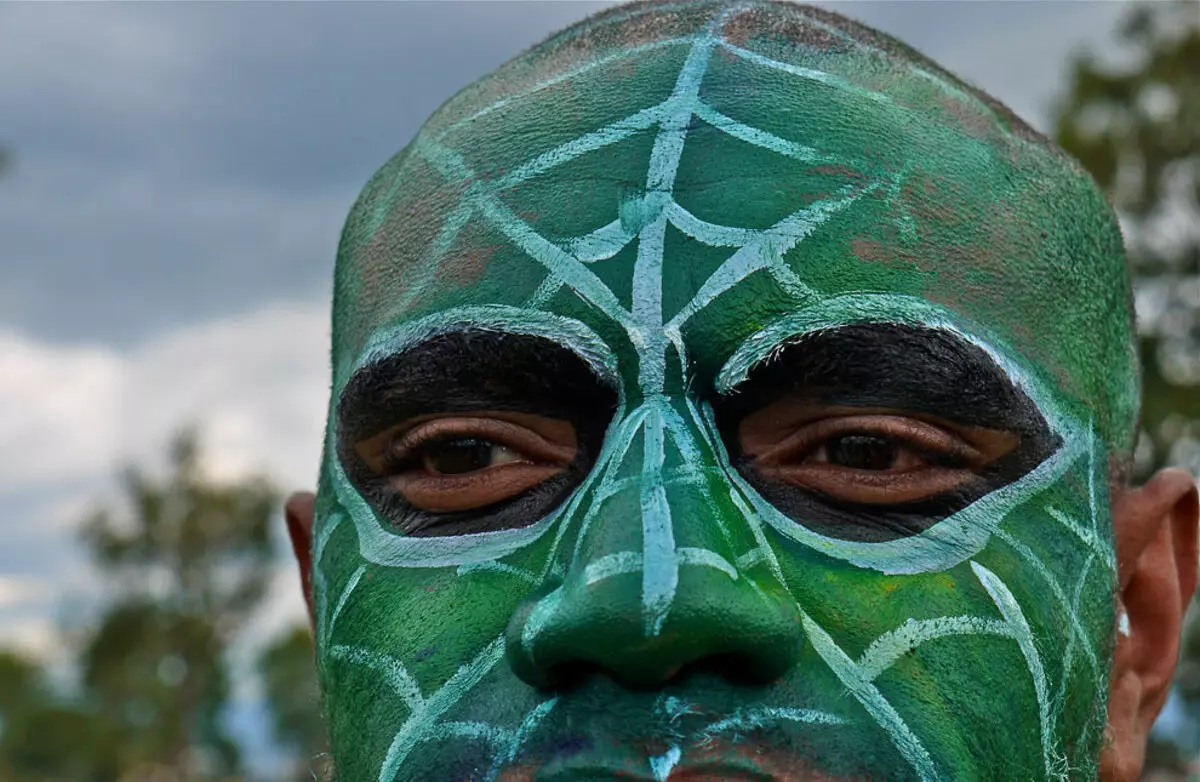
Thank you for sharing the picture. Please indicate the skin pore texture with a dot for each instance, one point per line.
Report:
(722, 390)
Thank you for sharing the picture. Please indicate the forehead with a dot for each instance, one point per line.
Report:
(714, 170)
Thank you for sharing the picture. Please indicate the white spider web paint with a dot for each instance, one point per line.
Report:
(567, 264)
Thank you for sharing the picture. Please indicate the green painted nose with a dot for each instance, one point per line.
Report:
(719, 620)
(650, 587)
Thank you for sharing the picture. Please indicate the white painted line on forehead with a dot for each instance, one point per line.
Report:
(567, 332)
(884, 308)
(622, 54)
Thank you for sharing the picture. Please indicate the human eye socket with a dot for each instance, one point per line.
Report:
(876, 459)
(463, 463)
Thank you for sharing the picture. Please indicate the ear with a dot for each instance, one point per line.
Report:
(1156, 531)
(298, 510)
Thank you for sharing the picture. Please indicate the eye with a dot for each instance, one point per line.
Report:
(464, 455)
(877, 459)
(861, 452)
(464, 463)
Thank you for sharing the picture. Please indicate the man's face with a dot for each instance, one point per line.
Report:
(710, 405)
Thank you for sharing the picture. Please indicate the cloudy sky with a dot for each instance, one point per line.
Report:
(168, 231)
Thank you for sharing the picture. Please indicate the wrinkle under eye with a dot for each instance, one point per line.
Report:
(869, 460)
(462, 463)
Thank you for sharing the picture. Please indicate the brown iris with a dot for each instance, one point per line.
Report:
(867, 456)
(448, 463)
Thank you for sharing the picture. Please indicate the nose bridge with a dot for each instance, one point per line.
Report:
(660, 516)
(652, 581)
(664, 506)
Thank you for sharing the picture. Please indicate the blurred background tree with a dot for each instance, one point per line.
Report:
(33, 721)
(289, 679)
(189, 562)
(1136, 128)
(192, 562)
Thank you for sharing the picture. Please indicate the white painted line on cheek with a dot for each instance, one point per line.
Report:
(848, 672)
(1010, 609)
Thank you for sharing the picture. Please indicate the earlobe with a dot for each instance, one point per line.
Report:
(298, 510)
(1156, 532)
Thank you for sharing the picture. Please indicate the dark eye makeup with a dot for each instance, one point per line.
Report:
(472, 431)
(874, 432)
(866, 432)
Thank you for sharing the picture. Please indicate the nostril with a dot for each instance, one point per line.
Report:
(736, 668)
(564, 634)
(567, 676)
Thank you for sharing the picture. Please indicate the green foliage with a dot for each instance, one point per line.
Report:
(194, 548)
(160, 676)
(1137, 130)
(52, 742)
(32, 727)
(193, 560)
(289, 675)
(189, 562)
(20, 683)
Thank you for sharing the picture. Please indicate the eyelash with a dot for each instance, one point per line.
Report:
(809, 439)
(405, 450)
(424, 483)
(933, 456)
(400, 456)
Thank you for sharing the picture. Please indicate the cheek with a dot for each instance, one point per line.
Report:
(1008, 649)
(391, 640)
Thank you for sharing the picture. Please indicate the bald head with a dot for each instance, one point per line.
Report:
(723, 390)
(961, 202)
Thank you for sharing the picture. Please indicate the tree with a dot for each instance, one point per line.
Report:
(53, 741)
(33, 722)
(1137, 130)
(20, 684)
(191, 562)
(289, 677)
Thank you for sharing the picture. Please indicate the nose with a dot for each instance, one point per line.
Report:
(653, 588)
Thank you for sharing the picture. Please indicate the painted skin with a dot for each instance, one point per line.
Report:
(670, 193)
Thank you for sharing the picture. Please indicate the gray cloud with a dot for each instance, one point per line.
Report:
(181, 162)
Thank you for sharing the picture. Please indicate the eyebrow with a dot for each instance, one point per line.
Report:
(472, 369)
(894, 366)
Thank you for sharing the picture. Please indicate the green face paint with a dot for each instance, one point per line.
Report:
(671, 193)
